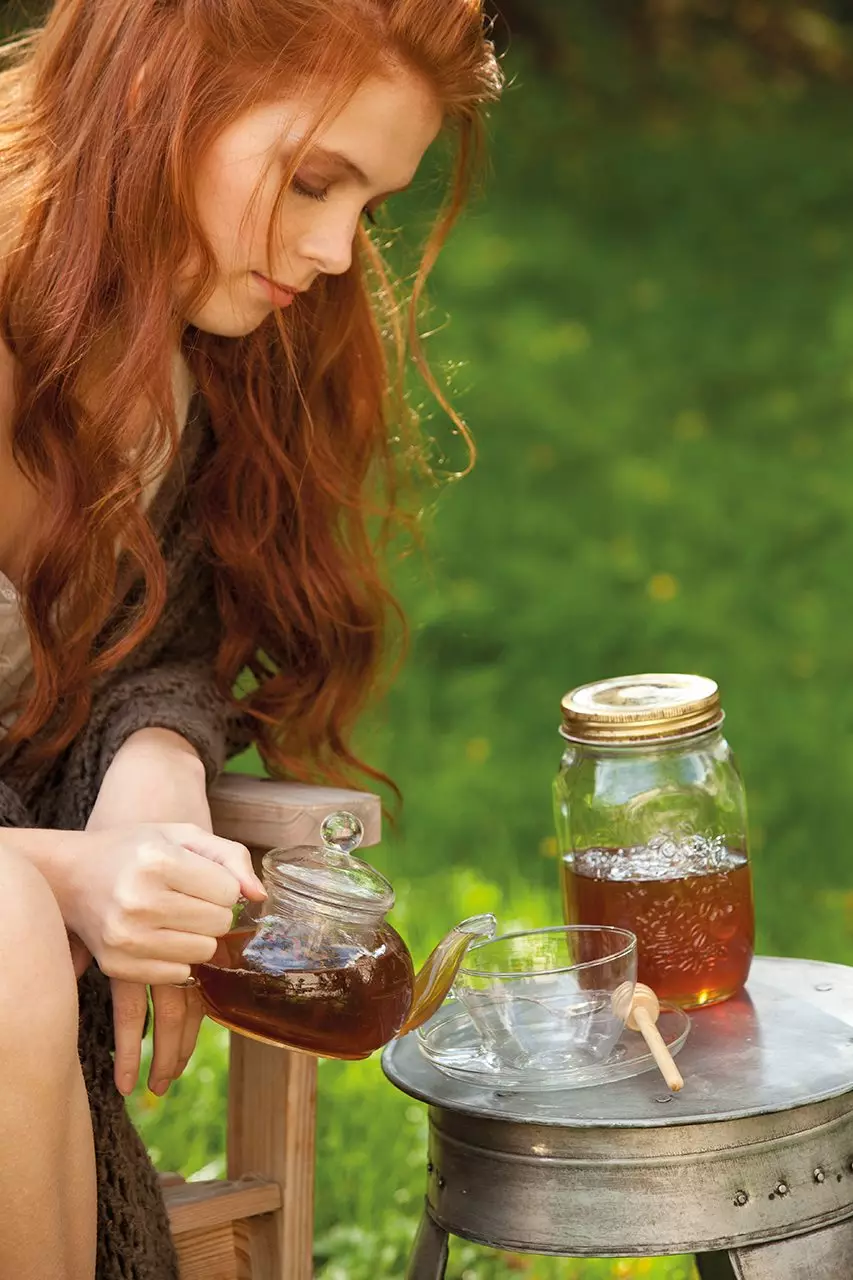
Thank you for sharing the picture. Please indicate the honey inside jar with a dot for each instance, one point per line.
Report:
(693, 921)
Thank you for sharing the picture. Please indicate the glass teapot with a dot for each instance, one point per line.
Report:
(316, 966)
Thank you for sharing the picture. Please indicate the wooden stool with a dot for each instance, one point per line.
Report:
(259, 1223)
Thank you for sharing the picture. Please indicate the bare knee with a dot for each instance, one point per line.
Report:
(38, 990)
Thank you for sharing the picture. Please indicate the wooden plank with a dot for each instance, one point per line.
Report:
(271, 1123)
(270, 814)
(256, 1247)
(196, 1206)
(208, 1255)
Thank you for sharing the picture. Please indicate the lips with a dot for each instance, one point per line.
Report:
(280, 295)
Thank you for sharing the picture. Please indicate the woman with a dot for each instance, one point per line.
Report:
(194, 425)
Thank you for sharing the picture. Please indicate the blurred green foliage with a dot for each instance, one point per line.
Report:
(718, 42)
(651, 319)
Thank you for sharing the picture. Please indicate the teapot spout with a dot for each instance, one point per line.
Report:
(435, 978)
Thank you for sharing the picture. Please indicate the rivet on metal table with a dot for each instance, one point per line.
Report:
(750, 1167)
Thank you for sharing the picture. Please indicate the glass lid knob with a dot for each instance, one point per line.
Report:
(343, 832)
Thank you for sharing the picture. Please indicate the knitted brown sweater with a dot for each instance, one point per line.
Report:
(166, 682)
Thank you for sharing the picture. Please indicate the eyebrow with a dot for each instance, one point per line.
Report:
(342, 162)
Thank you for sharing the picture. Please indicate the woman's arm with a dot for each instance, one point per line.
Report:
(155, 772)
(156, 775)
(51, 852)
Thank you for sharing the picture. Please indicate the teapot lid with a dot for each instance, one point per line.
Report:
(330, 873)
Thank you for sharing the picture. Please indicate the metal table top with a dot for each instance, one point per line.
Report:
(784, 1042)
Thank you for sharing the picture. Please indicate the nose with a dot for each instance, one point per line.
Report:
(328, 242)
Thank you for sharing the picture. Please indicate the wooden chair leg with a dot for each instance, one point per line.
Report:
(271, 1132)
(210, 1223)
(209, 1254)
(272, 1092)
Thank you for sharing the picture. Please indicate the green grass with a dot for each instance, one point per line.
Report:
(653, 310)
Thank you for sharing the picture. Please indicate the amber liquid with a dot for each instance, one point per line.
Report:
(695, 931)
(355, 1003)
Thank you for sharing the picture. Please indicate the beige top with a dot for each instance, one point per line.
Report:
(15, 656)
(14, 649)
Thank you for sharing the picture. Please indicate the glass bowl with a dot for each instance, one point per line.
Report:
(543, 999)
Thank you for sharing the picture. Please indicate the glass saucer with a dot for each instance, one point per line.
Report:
(450, 1041)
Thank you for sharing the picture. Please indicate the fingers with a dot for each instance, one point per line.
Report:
(189, 872)
(151, 945)
(124, 968)
(195, 1017)
(229, 854)
(170, 1016)
(186, 914)
(130, 1005)
(178, 1014)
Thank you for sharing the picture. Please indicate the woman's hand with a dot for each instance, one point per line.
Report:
(168, 896)
(149, 901)
(158, 775)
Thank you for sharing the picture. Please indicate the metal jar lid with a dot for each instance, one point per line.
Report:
(645, 708)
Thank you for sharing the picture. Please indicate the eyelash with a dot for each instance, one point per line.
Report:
(301, 190)
(310, 192)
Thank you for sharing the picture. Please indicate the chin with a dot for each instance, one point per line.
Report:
(224, 319)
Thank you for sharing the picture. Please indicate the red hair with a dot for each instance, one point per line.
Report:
(101, 162)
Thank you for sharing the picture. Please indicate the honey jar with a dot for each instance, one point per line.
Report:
(651, 821)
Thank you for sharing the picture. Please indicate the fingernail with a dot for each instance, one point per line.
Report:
(126, 1084)
(260, 885)
(159, 1087)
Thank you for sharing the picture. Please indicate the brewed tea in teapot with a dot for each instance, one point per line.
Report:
(321, 970)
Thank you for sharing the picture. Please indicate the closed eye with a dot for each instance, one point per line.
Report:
(322, 193)
(311, 193)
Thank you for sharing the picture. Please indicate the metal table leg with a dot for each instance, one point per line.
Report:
(715, 1266)
(429, 1253)
(820, 1255)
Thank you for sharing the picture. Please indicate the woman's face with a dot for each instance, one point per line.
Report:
(370, 150)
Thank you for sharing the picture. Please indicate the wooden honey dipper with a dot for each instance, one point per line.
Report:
(639, 1010)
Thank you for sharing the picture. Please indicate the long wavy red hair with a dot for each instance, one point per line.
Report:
(100, 161)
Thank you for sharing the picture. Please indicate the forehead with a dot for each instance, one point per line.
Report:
(382, 131)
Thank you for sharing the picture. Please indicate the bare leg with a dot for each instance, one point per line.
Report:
(47, 1166)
